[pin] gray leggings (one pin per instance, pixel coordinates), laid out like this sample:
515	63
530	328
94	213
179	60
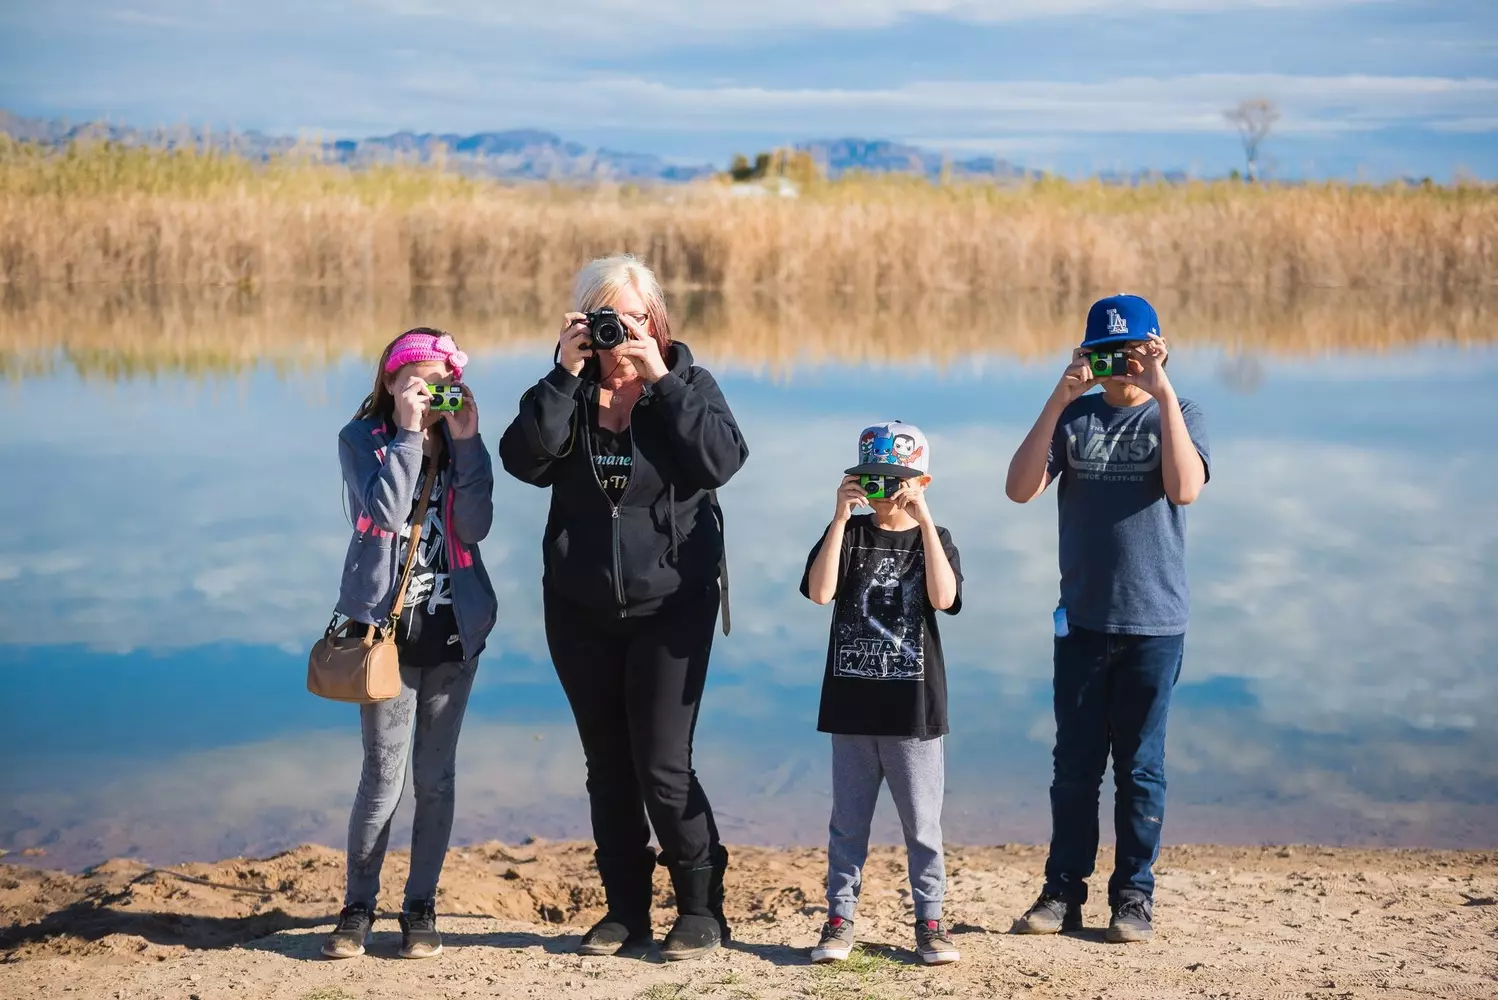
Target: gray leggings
435	699
915	768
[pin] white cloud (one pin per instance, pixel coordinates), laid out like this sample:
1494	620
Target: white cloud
704	16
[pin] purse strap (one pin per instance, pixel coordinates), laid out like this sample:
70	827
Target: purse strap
417	520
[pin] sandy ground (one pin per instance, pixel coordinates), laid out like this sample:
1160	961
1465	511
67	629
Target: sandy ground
1231	922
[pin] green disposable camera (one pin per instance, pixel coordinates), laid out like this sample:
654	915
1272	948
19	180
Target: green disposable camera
446	398
880	487
1105	364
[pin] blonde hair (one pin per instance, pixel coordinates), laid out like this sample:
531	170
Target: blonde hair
600	282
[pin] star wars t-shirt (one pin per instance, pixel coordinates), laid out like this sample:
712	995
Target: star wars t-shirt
885	675
428	631
1123	543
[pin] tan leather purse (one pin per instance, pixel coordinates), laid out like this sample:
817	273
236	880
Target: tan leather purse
366	669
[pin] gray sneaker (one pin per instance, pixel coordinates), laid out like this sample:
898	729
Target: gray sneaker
347	939
934	944
1049	914
1132	920
419	937
837	941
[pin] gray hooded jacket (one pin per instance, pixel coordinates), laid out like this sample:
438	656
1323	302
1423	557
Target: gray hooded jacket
381	474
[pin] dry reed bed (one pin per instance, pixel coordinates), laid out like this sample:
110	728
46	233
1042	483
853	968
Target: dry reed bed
115	215
884	248
117	333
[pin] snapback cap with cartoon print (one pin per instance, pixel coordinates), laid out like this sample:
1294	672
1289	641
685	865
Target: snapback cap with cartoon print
892	449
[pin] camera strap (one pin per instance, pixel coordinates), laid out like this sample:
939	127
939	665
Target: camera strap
418	518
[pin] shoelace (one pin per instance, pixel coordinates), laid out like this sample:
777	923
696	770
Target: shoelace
422	918
1133	908
936	930
352	917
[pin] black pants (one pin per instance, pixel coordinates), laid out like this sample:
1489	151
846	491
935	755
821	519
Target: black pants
635	686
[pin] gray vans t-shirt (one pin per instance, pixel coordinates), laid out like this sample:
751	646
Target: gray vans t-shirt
1123	543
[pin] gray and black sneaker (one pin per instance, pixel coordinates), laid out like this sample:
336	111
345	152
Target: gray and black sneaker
1050	914
837	941
419	937
347	939
1132	920
934	944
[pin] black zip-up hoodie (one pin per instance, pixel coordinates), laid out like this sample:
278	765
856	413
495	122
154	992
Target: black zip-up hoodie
664	540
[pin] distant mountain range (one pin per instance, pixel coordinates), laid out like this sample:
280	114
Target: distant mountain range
520	154
840	156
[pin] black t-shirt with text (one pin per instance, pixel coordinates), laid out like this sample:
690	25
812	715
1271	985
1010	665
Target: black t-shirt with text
613	454
885	675
428	631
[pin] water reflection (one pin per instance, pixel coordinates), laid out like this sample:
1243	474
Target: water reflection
174	547
115	333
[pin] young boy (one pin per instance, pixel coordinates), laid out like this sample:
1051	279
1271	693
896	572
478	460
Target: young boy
884	693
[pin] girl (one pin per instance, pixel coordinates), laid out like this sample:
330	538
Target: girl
632	442
450	607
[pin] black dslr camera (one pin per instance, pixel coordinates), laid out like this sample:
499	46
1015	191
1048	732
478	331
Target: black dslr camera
605	330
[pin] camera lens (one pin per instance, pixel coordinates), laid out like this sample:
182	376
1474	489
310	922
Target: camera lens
605	330
1101	366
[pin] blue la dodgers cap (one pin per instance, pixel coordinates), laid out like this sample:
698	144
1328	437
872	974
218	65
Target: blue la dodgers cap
1120	318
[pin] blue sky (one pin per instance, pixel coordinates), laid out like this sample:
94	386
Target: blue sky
1374	87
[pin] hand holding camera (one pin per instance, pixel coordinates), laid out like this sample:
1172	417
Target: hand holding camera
851	494
575	343
412	404
456	404
1150	357
638	345
1077	378
911	498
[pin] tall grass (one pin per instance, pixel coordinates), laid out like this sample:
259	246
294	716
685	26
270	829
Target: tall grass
107	215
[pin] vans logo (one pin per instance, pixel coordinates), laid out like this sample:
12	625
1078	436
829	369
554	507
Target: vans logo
1091	452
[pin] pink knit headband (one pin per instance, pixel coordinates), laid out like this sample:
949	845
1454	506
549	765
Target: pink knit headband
413	347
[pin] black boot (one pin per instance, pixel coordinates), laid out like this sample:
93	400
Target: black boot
696	931
627	883
719	858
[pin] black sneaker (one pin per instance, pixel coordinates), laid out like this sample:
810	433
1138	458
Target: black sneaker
1132	920
1050	914
934	944
612	935
347	939
419	937
837	941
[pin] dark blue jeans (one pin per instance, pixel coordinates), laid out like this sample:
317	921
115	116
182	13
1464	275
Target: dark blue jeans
1112	694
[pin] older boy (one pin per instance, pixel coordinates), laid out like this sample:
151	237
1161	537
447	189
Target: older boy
1129	460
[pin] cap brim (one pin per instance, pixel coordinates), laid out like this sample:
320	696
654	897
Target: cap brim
1122	338
877	469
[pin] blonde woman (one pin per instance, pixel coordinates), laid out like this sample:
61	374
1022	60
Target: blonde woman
633	440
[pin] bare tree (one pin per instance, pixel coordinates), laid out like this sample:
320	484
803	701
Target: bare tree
1253	119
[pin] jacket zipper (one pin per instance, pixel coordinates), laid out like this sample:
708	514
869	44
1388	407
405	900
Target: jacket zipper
614	507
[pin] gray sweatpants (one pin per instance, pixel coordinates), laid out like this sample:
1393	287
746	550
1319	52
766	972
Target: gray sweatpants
427	713
916	771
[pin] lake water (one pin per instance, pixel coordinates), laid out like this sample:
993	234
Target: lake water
170	546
